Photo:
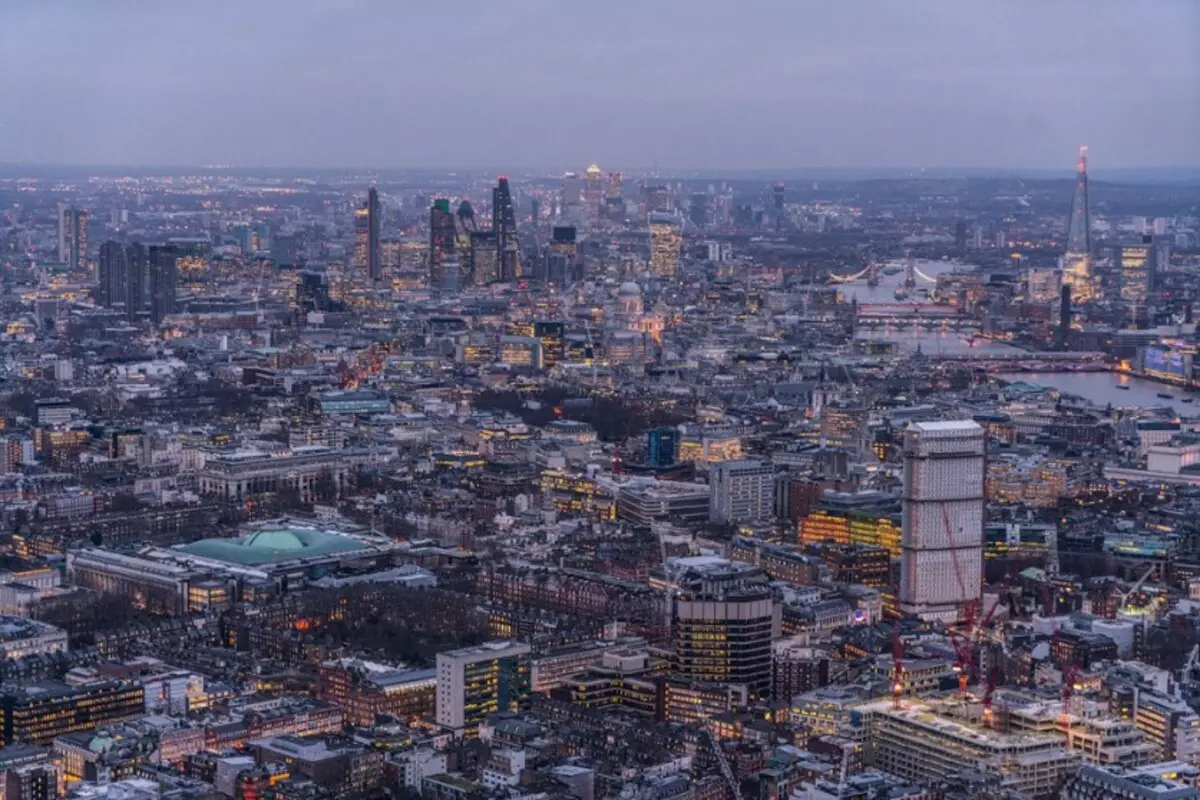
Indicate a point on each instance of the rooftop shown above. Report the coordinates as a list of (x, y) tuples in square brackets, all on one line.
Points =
[(270, 546)]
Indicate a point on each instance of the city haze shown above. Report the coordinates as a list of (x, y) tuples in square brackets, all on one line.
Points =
[(674, 85)]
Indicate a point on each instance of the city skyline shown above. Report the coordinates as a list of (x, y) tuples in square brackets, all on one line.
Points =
[(745, 87)]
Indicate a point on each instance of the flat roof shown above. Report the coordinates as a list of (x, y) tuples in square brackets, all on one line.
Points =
[(947, 425)]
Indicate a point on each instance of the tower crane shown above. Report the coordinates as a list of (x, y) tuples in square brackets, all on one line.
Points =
[(723, 762), (973, 625)]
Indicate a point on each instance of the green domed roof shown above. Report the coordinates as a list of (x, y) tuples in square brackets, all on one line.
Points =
[(271, 545), (277, 540)]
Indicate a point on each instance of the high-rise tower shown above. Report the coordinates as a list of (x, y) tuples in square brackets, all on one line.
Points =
[(114, 267), (941, 561), (374, 256), (443, 246), (164, 281), (72, 236), (362, 239), (1077, 261), (504, 226), (666, 240)]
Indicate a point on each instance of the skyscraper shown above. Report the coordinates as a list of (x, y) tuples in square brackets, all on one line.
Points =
[(164, 281), (564, 255), (572, 194), (666, 240), (593, 191), (698, 209), (1077, 262), (612, 190), (777, 196), (504, 226), (654, 199), (442, 243), (114, 271), (362, 239), (374, 256), (483, 265), (72, 236), (137, 280), (1137, 265), (941, 562)]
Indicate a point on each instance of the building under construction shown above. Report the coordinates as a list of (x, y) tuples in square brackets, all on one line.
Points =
[(917, 742)]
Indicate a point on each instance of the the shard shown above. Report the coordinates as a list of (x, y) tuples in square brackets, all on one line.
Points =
[(1077, 261)]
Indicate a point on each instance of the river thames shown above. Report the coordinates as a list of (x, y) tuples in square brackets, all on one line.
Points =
[(1101, 389), (907, 340), (1098, 387)]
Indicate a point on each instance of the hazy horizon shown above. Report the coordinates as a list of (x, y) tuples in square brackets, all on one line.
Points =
[(684, 85)]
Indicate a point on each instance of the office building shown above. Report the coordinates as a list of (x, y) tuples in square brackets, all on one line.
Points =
[(666, 240), (1042, 285), (365, 689), (1109, 782), (643, 501), (846, 427), (655, 199), (374, 220), (724, 618), (1137, 267), (553, 336), (443, 247), (563, 243), (941, 563), (742, 491), (572, 194), (113, 275), (522, 351), (1077, 261), (483, 264), (593, 190), (164, 281), (362, 238), (21, 638), (662, 447), (72, 237), (38, 711), (477, 681), (504, 227)]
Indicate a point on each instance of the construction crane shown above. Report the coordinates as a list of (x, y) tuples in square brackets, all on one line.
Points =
[(1070, 672), (988, 691), (964, 646), (669, 578), (897, 669), (726, 770)]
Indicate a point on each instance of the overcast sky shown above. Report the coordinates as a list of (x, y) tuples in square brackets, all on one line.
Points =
[(623, 83)]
